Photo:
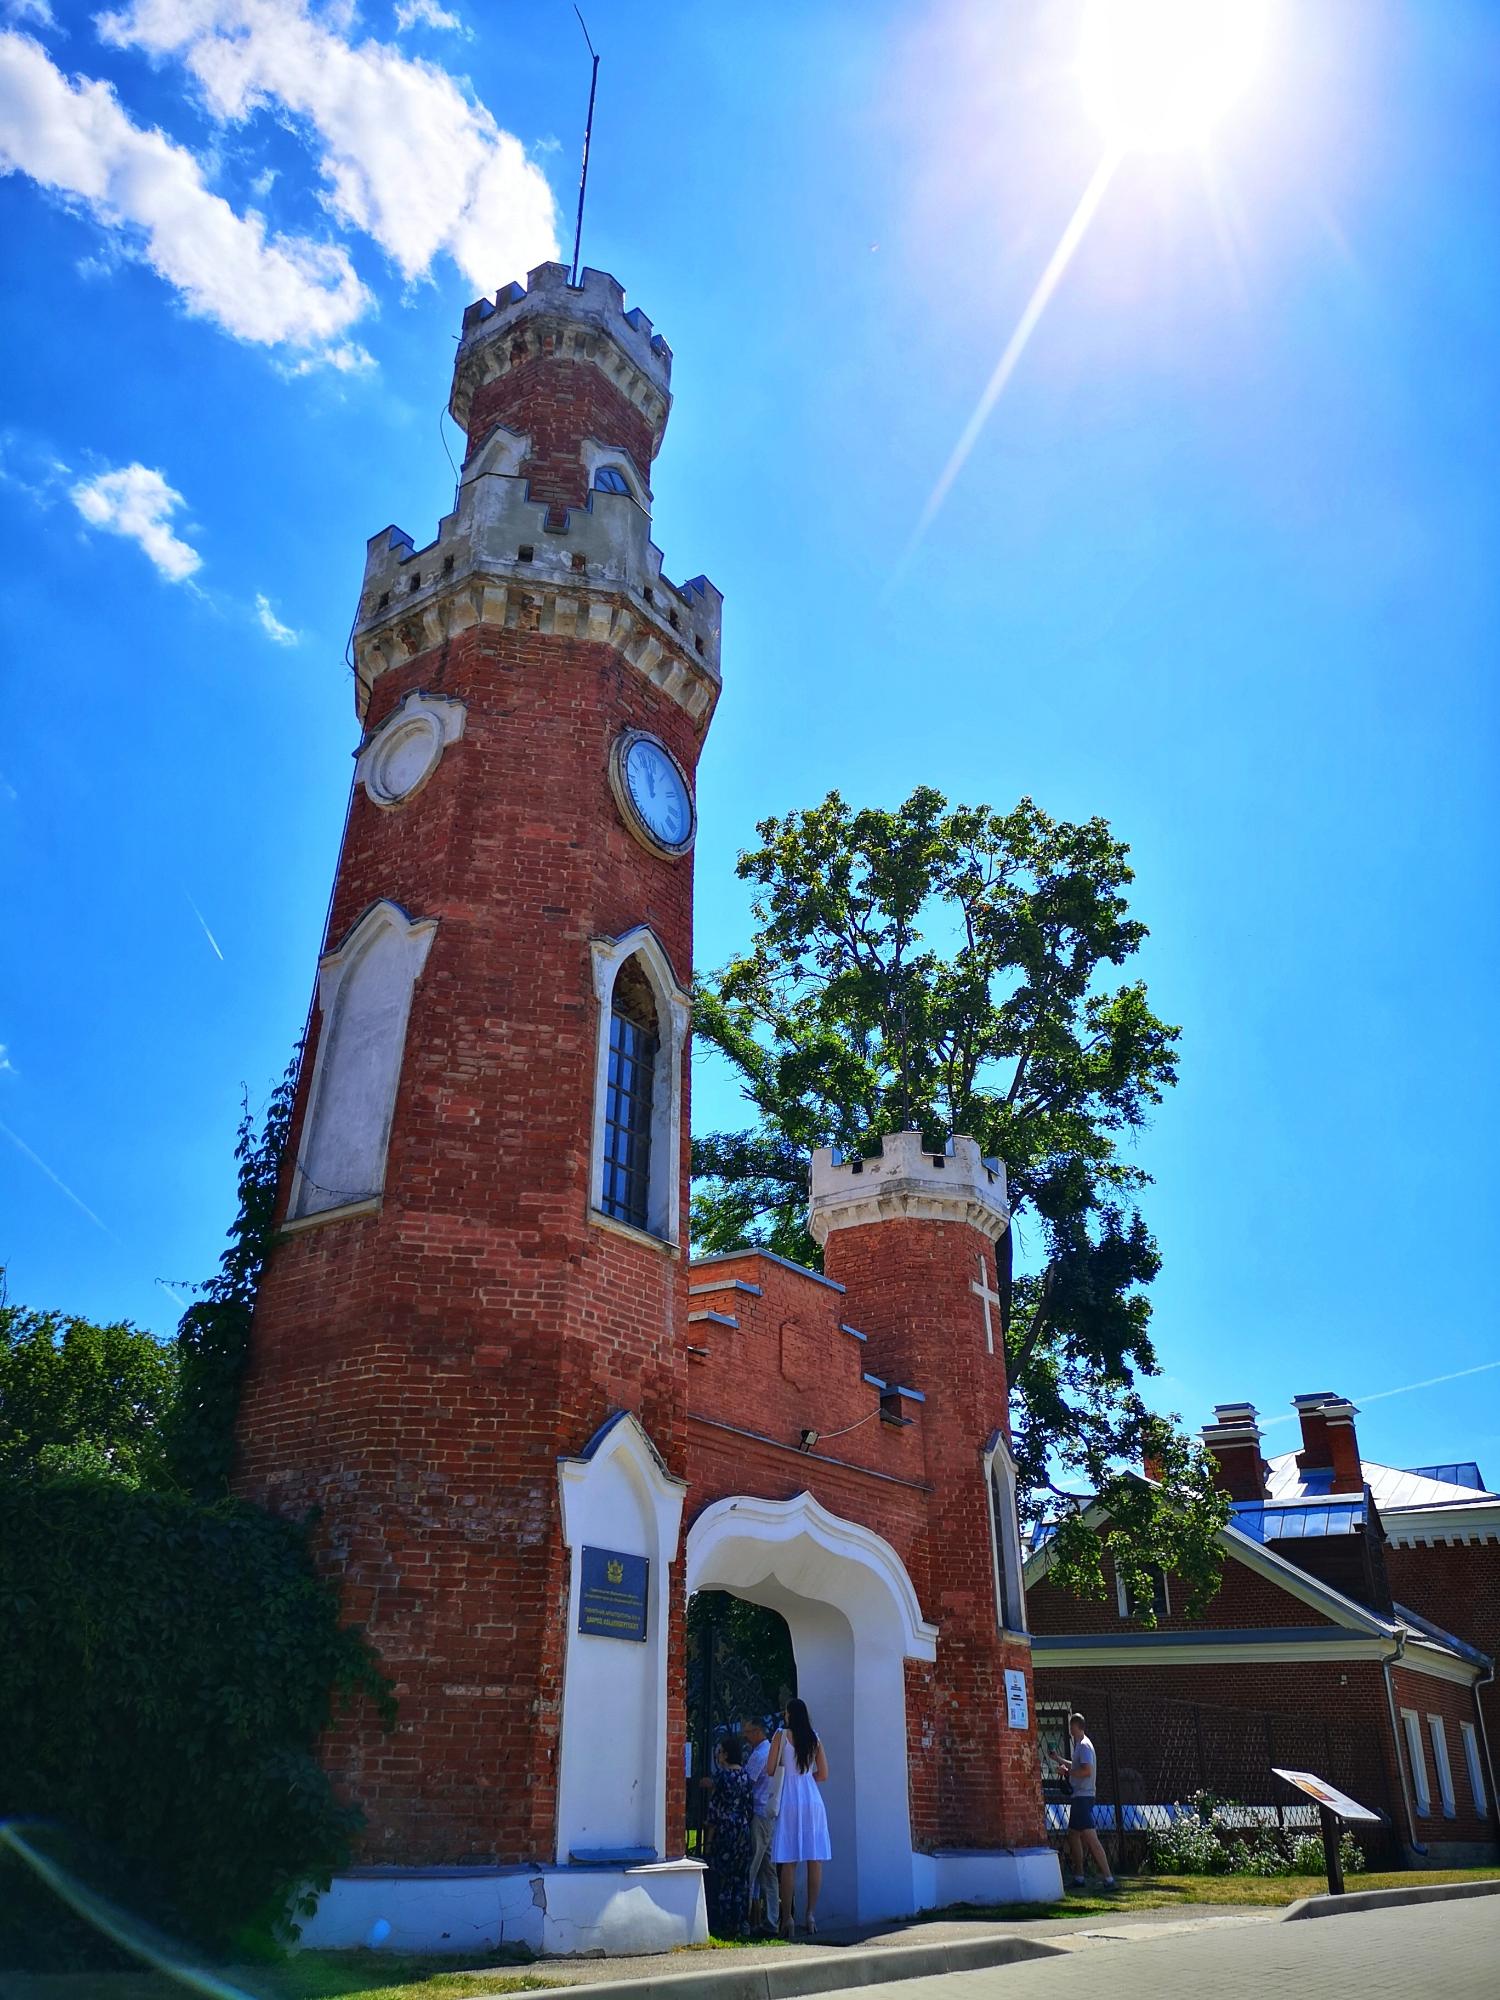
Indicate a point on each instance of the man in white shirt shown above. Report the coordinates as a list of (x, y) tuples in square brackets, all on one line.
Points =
[(1082, 1770), (762, 1868)]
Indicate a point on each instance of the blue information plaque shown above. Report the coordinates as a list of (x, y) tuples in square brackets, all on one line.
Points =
[(612, 1597)]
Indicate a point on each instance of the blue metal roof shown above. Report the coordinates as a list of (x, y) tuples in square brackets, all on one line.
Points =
[(1302, 1520), (1464, 1472)]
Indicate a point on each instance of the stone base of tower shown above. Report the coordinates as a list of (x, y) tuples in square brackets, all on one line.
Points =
[(986, 1875), (656, 1907)]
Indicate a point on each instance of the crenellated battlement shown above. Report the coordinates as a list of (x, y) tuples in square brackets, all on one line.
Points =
[(500, 557), (584, 322), (907, 1179)]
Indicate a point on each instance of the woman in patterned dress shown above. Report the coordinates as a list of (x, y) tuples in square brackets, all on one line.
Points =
[(728, 1828)]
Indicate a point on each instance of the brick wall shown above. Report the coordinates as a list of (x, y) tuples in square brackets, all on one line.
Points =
[(908, 1286), (1453, 1704), (1457, 1586), (416, 1373), (557, 403), (1245, 1600)]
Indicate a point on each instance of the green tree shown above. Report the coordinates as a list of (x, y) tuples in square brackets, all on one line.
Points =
[(950, 970), (75, 1397)]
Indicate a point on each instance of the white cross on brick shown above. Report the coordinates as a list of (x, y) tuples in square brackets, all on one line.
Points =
[(991, 1298)]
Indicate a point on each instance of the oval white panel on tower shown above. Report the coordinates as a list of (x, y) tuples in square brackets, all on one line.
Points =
[(403, 753)]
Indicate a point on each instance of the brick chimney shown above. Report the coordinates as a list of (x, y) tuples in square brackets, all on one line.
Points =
[(1234, 1439), (1329, 1441)]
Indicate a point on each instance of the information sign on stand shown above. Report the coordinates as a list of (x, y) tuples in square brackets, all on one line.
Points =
[(1334, 1807)]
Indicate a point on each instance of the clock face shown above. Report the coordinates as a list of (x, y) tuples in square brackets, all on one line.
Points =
[(656, 793)]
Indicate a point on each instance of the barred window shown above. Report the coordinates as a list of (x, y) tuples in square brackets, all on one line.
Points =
[(633, 1047)]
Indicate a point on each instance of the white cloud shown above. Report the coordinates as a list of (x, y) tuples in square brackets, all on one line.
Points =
[(136, 502), (75, 138), (29, 14), (407, 153), (428, 14), (271, 625), (7, 1067)]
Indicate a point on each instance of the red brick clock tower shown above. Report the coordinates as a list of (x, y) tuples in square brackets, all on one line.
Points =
[(481, 1264)]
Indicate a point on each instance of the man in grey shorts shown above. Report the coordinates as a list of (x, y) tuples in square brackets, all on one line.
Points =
[(1083, 1771)]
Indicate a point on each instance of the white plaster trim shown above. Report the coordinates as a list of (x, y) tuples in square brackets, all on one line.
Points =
[(904, 1181), (433, 720), (656, 1907), (1437, 1663), (631, 1234), (780, 1522), (623, 1445), (665, 1194), (296, 1224), (1142, 1651), (414, 937), (999, 1463), (1443, 1526), (596, 455), (504, 451)]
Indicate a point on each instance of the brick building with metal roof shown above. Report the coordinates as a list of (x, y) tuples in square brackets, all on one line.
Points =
[(1354, 1633)]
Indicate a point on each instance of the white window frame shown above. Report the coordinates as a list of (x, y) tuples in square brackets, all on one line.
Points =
[(1469, 1737), (1443, 1768), (1411, 1722), (1005, 1534), (310, 1202), (1124, 1602), (664, 1187)]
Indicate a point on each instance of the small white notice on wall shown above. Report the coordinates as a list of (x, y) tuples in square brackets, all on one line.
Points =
[(1015, 1698)]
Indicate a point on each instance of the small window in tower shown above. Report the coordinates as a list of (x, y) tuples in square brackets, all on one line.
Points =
[(610, 479), (633, 1046)]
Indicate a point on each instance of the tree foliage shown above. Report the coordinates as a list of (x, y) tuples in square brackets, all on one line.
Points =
[(82, 1398), (954, 970)]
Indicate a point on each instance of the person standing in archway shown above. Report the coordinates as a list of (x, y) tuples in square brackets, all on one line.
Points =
[(801, 1833)]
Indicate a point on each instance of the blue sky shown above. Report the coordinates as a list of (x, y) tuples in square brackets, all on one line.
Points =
[(1220, 567)]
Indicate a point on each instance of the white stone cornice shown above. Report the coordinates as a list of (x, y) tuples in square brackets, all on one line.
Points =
[(907, 1180), (598, 576)]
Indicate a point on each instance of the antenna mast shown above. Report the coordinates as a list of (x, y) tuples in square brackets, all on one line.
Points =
[(588, 133)]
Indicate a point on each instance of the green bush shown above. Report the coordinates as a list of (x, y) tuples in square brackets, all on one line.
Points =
[(1308, 1857), (168, 1669), (1189, 1846)]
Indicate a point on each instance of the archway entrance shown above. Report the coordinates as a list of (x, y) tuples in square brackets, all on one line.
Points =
[(854, 1621)]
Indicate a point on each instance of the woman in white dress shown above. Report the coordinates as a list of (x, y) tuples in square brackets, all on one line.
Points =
[(801, 1832)]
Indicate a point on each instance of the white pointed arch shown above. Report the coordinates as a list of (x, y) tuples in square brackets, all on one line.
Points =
[(1005, 1533), (610, 956), (737, 1543), (364, 999)]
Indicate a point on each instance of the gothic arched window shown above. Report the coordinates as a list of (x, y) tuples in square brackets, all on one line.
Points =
[(638, 1086), (610, 479), (1005, 1532), (634, 1046), (364, 997)]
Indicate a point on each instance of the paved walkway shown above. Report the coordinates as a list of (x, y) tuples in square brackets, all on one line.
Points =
[(1450, 1950), (1076, 1932)]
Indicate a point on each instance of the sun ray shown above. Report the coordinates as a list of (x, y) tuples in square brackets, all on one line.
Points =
[(1015, 347)]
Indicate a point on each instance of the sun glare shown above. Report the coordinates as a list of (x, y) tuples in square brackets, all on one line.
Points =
[(1162, 73)]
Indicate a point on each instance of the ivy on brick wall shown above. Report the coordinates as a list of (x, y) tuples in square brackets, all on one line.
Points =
[(213, 1336), (168, 1669), (171, 1654)]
